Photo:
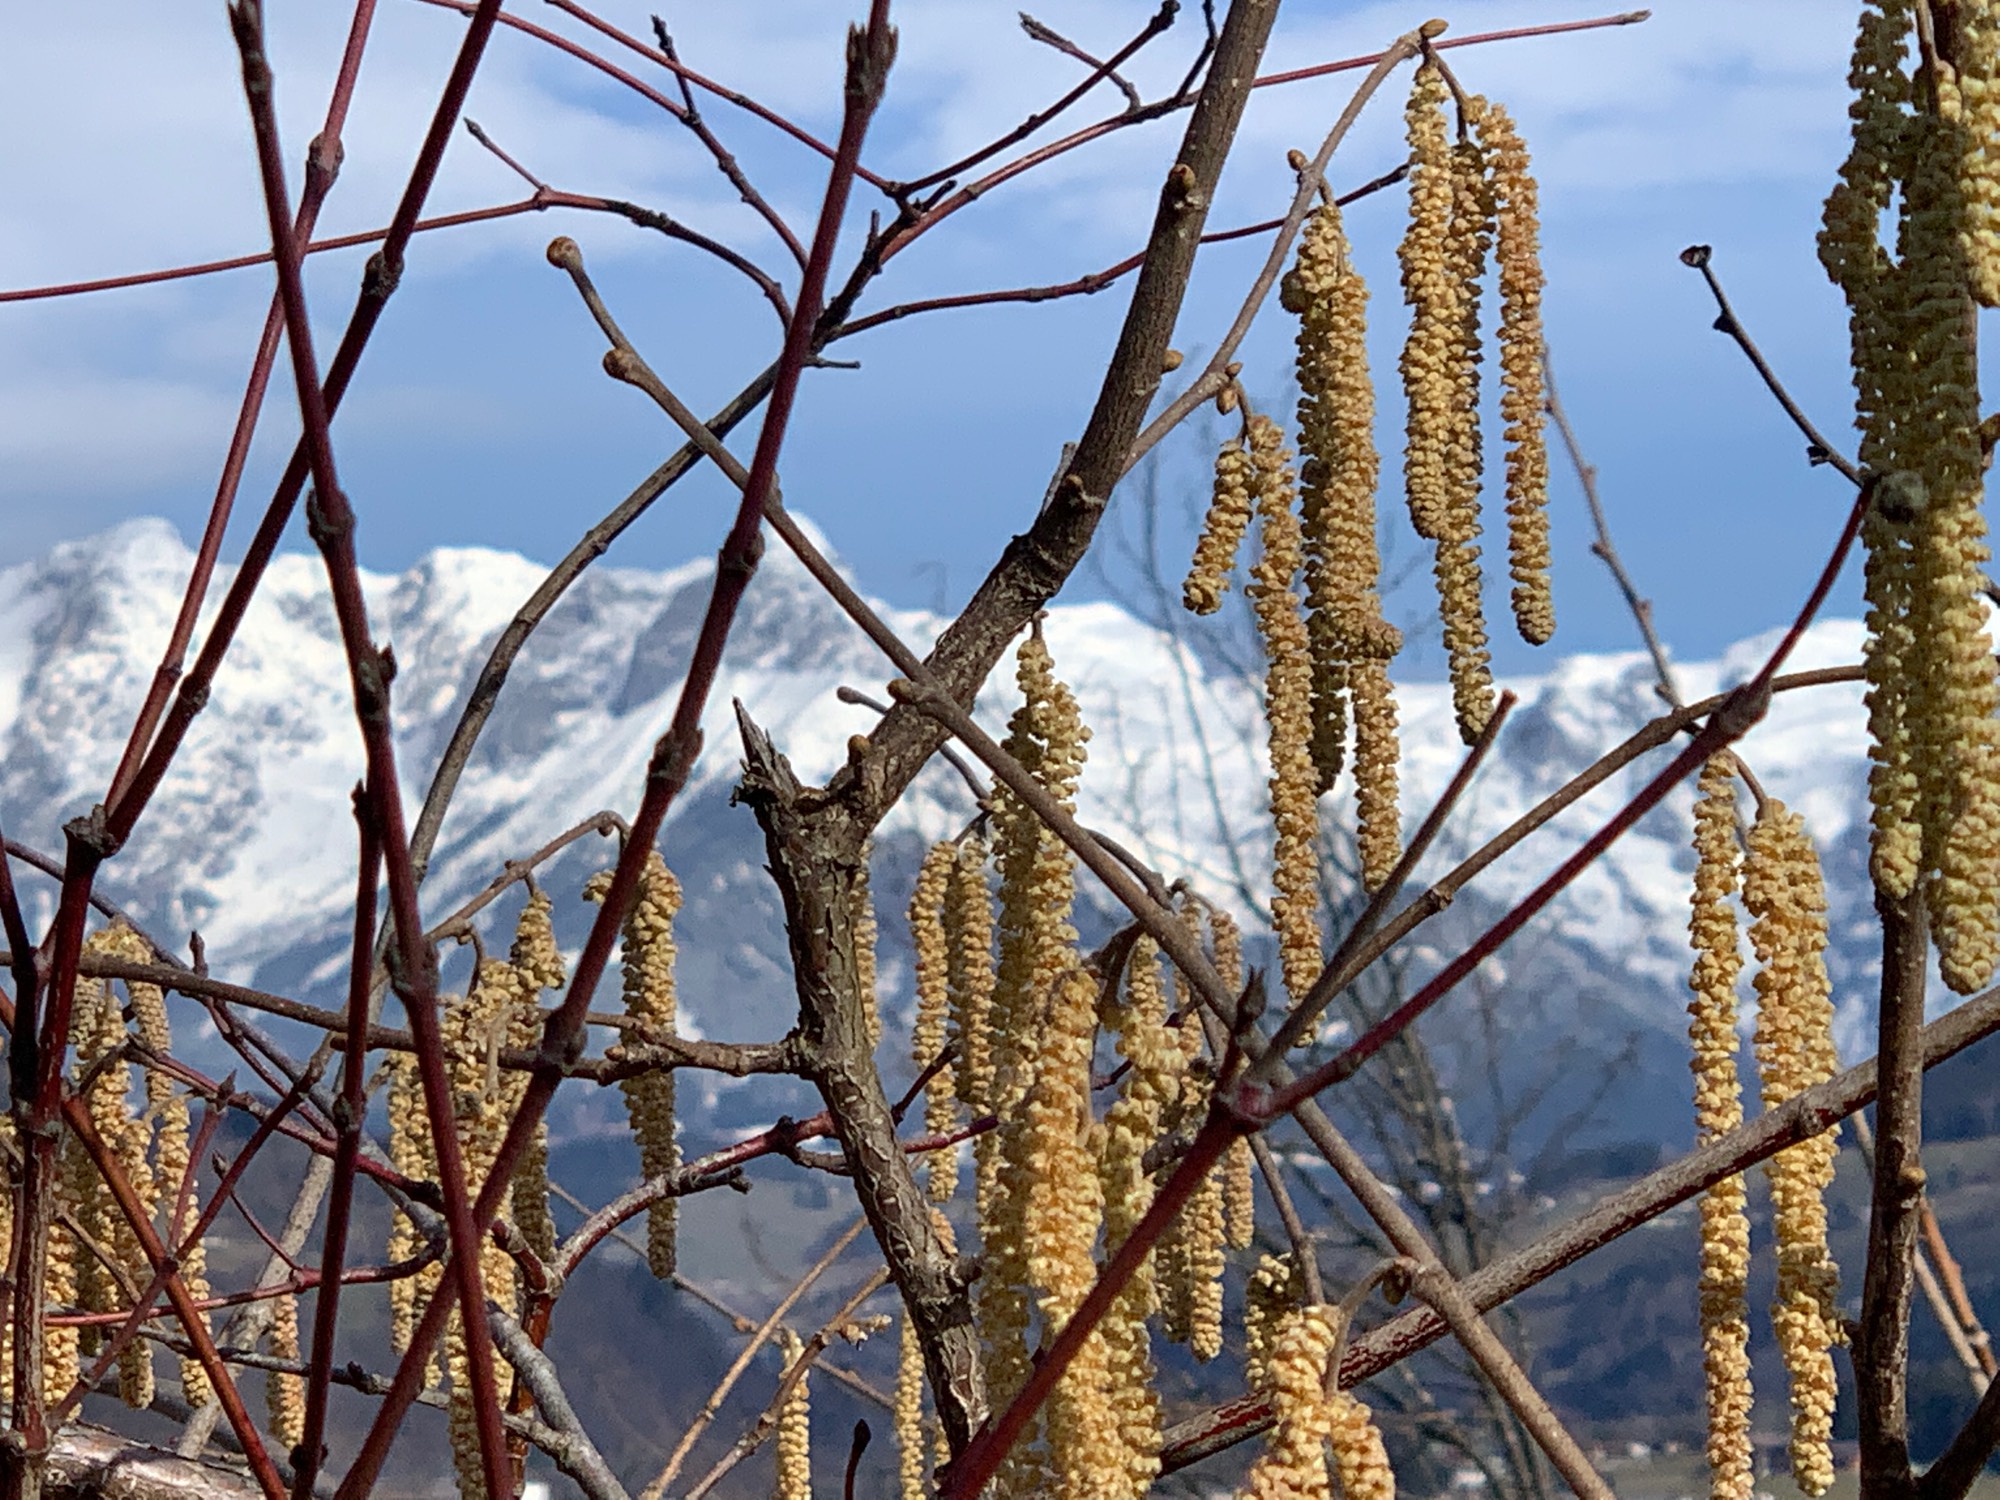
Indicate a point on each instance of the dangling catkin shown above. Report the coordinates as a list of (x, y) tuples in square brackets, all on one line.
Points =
[(284, 1390), (539, 963), (98, 1032), (1221, 531), (1979, 174), (1351, 643), (473, 1028), (1273, 1291), (648, 952), (866, 933), (968, 927), (1339, 472), (1027, 1013), (1131, 1125), (1725, 1226), (1288, 713), (411, 1152), (1785, 894), (794, 1435), (932, 947), (1518, 252), (1935, 783), (1051, 1165), (1239, 1195), (911, 1471), (1442, 253), (1293, 1464), (1430, 355)]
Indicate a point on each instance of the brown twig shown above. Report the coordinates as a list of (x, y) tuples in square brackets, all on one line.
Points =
[(1818, 449), (1304, 1253), (758, 1338), (1214, 374), (1048, 36), (1158, 23), (767, 1423), (1431, 1284), (1094, 281), (331, 520)]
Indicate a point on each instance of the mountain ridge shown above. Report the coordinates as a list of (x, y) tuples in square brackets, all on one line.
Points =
[(250, 837)]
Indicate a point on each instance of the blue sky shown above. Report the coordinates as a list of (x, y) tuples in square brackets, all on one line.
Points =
[(480, 414)]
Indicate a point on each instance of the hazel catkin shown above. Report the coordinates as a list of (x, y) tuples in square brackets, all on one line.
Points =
[(1725, 1225), (1785, 894)]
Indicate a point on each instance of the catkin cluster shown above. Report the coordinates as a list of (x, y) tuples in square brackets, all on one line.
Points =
[(1935, 782), (1313, 1415), (1442, 253), (1352, 644), (1031, 1015), (1785, 895), (1725, 1225), (648, 952), (151, 1149)]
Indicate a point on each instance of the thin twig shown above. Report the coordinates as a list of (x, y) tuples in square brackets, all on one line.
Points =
[(761, 1336), (767, 1423), (1818, 449)]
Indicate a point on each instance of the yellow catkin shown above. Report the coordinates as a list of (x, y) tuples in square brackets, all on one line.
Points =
[(1785, 894), (1052, 1165), (1935, 780), (61, 1348), (1239, 1196), (538, 961), (1138, 1015), (932, 947), (1338, 475), (1442, 254), (1360, 1460), (1273, 1291), (1979, 173), (793, 1440), (1458, 584), (474, 1027), (1293, 1463), (1288, 714), (1037, 956), (648, 952), (1377, 780), (1351, 643), (911, 1471), (1517, 249), (169, 1109), (1725, 1225), (866, 933), (285, 1391), (968, 926), (1430, 354), (1221, 531), (410, 1153), (98, 1031), (1466, 246)]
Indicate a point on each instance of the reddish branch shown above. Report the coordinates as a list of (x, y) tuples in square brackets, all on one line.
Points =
[(870, 52), (331, 521)]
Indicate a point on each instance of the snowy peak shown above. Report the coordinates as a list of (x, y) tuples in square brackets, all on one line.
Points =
[(251, 839)]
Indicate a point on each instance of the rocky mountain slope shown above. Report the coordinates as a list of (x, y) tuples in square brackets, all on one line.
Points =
[(250, 839)]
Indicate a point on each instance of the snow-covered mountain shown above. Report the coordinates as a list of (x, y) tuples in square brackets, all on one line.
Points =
[(251, 840)]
